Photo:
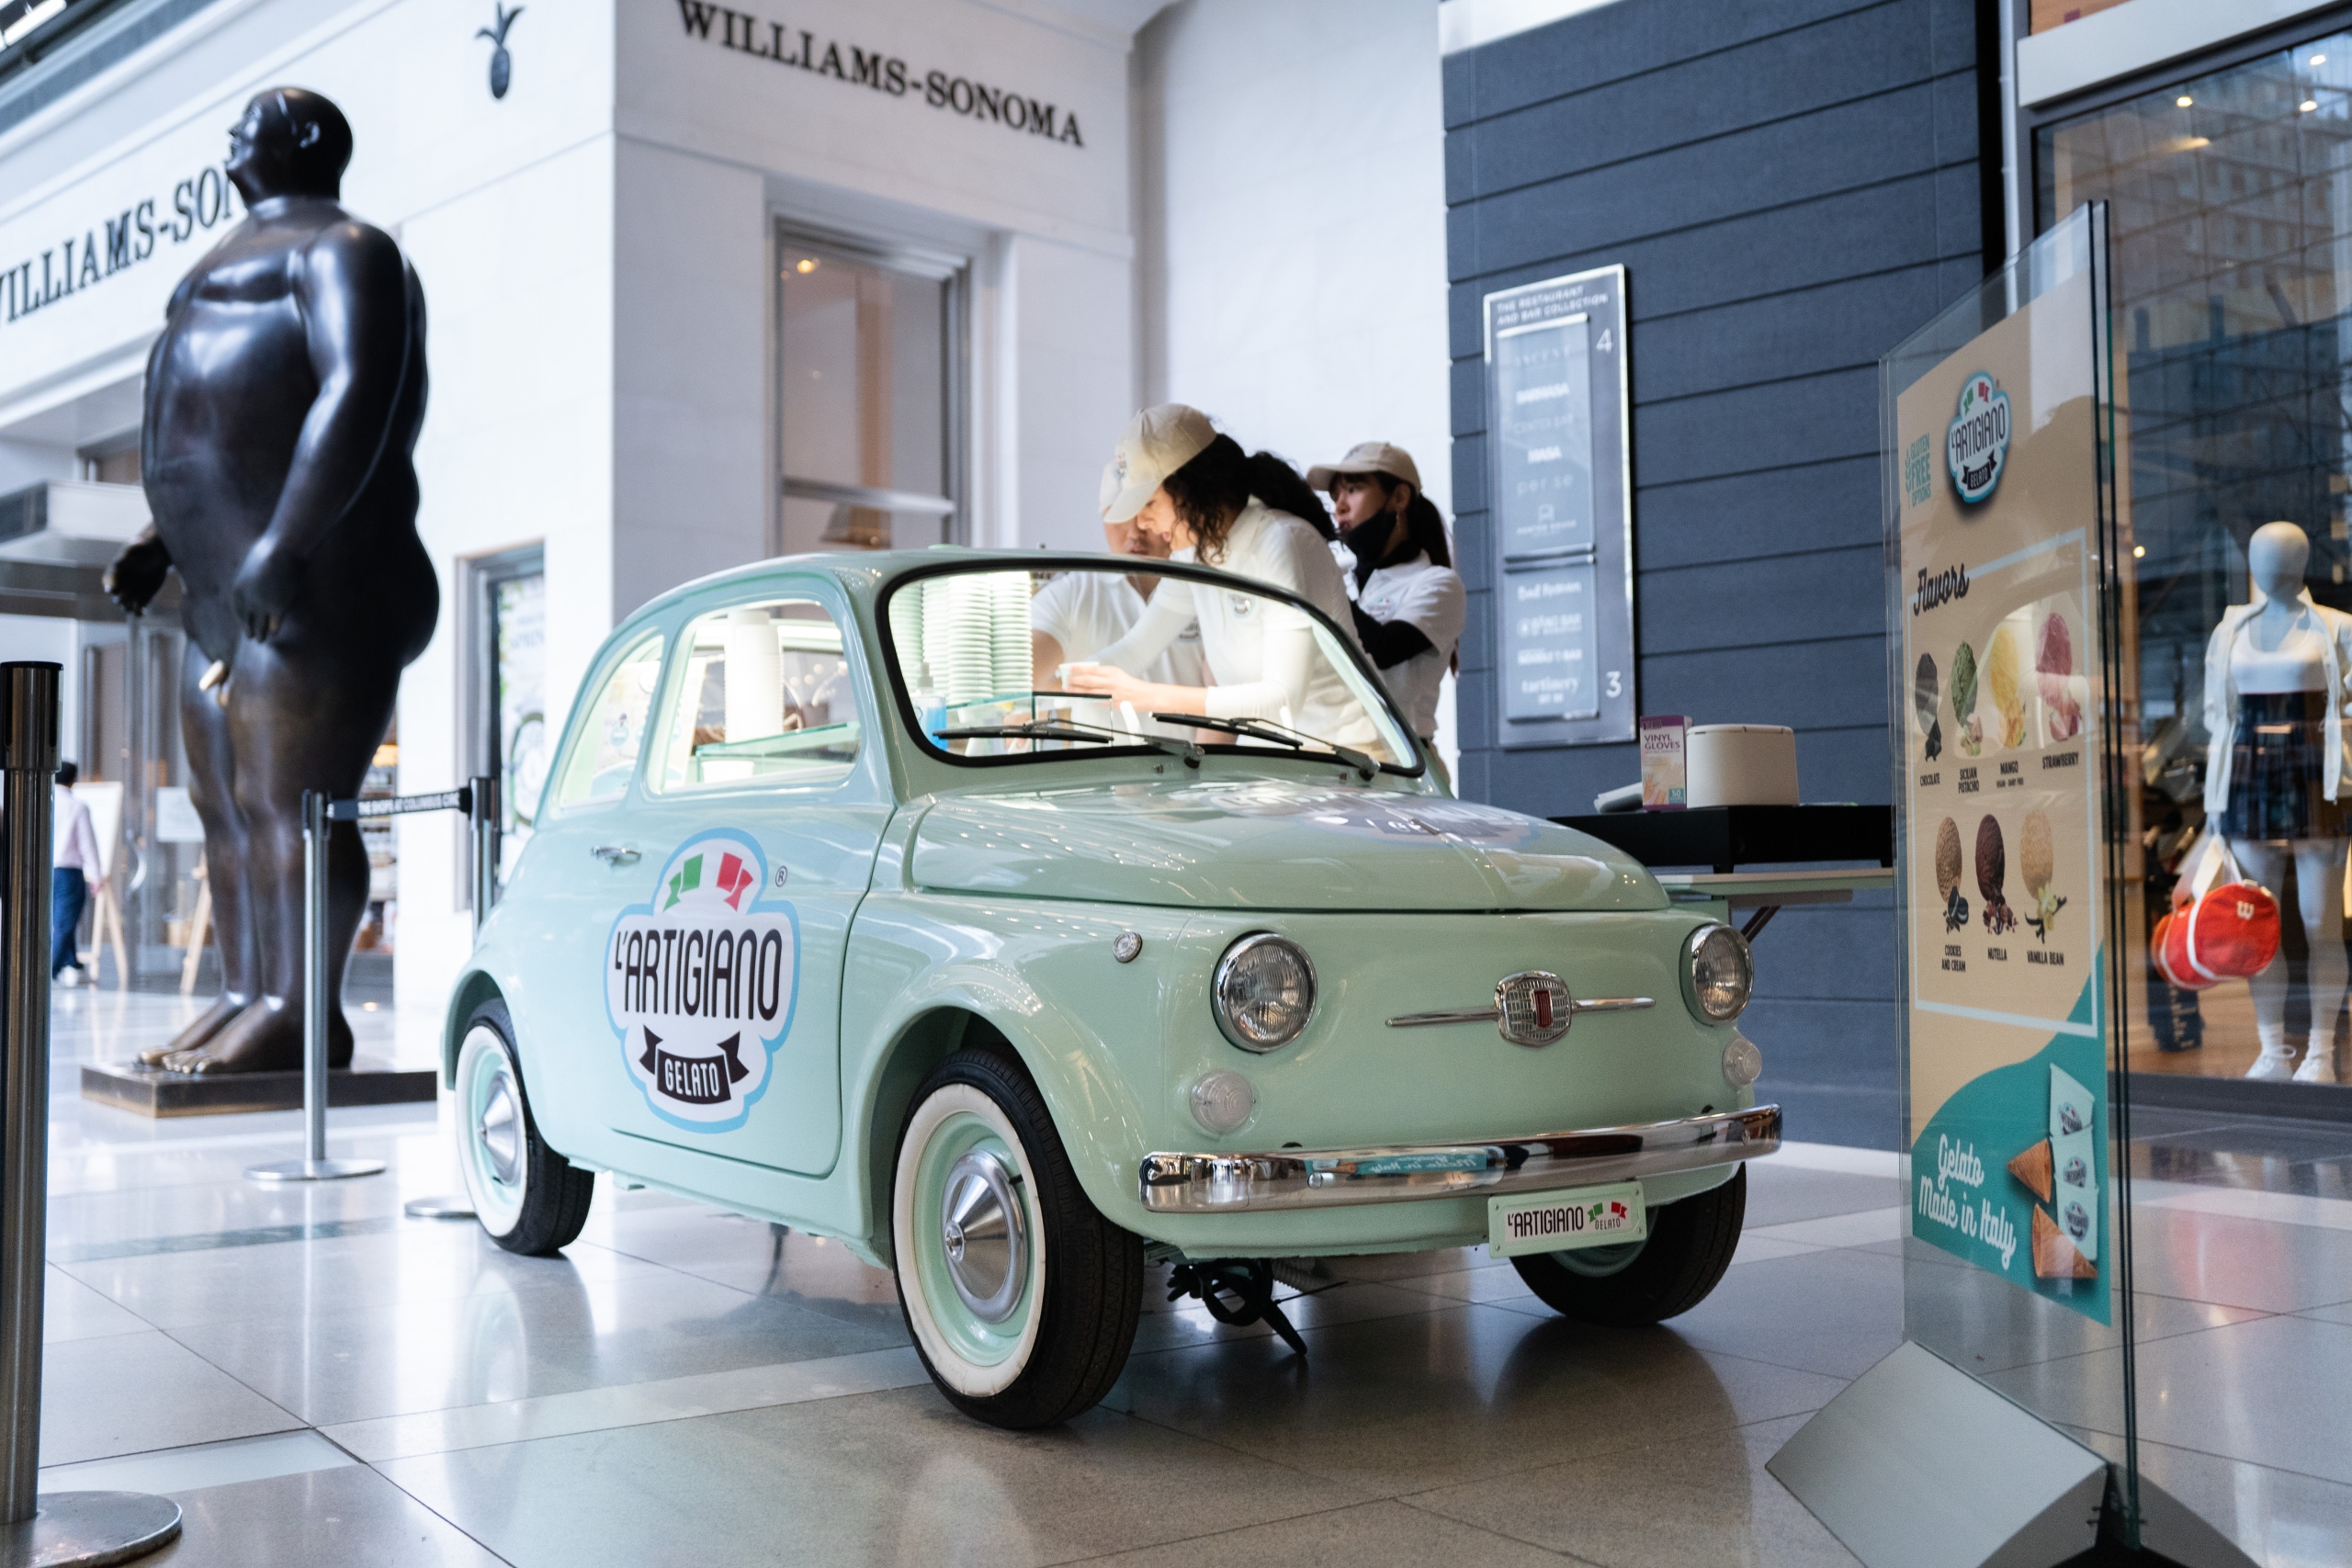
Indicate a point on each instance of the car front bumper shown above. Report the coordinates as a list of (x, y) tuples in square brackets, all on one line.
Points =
[(1304, 1178)]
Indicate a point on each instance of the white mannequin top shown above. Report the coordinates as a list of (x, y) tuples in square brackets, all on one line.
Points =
[(2297, 664)]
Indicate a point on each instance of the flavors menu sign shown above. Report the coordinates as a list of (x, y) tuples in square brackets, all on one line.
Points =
[(1998, 517)]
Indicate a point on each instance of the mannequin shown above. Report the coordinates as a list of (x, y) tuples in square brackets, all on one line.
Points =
[(2276, 674)]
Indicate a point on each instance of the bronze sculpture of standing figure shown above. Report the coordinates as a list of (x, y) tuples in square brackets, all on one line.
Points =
[(282, 406)]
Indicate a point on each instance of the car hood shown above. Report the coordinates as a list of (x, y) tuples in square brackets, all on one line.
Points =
[(1262, 844)]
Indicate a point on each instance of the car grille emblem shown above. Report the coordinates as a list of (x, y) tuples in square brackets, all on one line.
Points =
[(1532, 1008)]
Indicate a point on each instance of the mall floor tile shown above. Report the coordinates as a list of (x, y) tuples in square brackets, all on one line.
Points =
[(130, 1392), (350, 1516), (2268, 1392), (1703, 1498), (318, 1379), (897, 1476)]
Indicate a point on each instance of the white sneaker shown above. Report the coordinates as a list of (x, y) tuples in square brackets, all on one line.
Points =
[(2319, 1066), (69, 977), (2273, 1067)]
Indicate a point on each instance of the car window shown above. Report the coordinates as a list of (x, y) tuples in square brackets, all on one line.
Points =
[(764, 696), (1082, 659), (612, 729)]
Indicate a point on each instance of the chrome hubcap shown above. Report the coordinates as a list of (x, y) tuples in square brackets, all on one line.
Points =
[(500, 1131), (985, 1235)]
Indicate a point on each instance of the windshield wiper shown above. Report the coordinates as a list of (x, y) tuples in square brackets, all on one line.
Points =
[(1070, 730), (1283, 734)]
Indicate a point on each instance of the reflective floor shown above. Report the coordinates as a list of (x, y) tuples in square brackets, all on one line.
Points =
[(318, 1379)]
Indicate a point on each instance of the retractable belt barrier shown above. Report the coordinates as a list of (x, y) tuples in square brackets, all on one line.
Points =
[(477, 798), (61, 1528)]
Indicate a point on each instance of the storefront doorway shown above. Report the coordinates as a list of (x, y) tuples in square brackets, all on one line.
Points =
[(871, 356)]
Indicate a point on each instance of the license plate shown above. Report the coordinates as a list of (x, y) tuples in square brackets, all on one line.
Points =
[(1562, 1222)]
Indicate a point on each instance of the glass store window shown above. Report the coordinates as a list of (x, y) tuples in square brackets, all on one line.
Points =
[(870, 359), (2231, 198)]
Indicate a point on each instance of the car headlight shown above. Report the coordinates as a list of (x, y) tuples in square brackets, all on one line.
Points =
[(1717, 974), (1264, 992)]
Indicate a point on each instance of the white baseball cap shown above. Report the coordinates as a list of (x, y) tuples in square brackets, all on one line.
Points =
[(1157, 443), (1369, 457)]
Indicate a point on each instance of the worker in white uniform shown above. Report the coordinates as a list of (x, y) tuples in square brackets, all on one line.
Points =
[(75, 851), (1409, 601), (1177, 477), (1079, 614)]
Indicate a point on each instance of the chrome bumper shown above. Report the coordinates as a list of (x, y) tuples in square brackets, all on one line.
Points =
[(1290, 1179)]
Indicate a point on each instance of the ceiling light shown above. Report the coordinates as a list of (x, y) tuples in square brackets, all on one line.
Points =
[(2139, 550), (805, 265), (2319, 60), (2184, 100), (2309, 103)]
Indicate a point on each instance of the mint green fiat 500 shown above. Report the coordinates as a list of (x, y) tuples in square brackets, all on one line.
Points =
[(843, 910)]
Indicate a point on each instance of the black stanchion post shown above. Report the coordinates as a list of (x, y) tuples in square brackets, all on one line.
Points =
[(481, 801), (63, 1528), (314, 1166), (482, 812)]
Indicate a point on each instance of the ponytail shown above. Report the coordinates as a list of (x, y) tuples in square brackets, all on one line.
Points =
[(1212, 489), (1280, 486), (1428, 529), (1422, 522)]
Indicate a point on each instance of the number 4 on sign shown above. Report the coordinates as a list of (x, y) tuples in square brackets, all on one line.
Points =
[(1603, 345)]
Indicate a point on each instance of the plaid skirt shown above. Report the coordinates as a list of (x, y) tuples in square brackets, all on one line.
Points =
[(2279, 770)]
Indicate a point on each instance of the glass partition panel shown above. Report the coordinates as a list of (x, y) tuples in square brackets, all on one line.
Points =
[(1998, 434)]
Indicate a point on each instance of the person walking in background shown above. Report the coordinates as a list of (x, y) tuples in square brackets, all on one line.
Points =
[(75, 862), (1409, 601)]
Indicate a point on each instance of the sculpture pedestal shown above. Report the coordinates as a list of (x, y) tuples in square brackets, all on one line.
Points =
[(152, 1092)]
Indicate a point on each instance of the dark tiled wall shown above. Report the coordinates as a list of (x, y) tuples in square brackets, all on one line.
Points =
[(1792, 188)]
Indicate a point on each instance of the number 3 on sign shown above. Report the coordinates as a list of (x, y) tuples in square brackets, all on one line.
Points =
[(1616, 683)]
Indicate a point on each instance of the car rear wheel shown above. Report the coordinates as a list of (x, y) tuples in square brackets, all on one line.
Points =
[(529, 1197), (1022, 1298), (1682, 1259)]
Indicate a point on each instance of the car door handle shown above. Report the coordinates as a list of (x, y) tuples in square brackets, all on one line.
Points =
[(615, 855)]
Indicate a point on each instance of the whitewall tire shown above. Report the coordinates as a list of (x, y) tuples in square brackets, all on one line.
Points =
[(1021, 1297), (528, 1197)]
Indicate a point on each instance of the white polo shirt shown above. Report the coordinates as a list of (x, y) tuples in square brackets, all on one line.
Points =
[(1086, 612), (1429, 599)]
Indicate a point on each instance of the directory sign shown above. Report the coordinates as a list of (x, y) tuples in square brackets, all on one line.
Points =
[(1560, 510)]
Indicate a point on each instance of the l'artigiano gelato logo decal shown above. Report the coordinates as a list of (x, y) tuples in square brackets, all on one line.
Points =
[(1977, 443), (700, 982)]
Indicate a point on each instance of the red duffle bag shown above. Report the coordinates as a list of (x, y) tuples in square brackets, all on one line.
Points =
[(2231, 932)]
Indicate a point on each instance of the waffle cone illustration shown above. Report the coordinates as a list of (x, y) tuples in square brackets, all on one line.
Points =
[(2055, 1256), (2033, 1167)]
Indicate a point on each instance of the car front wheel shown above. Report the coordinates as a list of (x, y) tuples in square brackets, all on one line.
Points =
[(529, 1197), (1022, 1298), (1668, 1274)]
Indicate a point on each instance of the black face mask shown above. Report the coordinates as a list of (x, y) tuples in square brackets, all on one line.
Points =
[(1370, 541)]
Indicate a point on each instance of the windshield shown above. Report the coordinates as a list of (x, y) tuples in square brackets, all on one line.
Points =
[(1077, 659)]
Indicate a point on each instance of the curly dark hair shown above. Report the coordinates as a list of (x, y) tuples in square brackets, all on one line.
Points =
[(1209, 491)]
